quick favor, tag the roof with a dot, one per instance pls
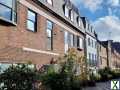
(116, 46)
(59, 13)
(69, 3)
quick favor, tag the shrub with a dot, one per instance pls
(65, 78)
(19, 77)
(56, 81)
(115, 74)
(76, 83)
(107, 74)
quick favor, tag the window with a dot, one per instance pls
(79, 22)
(66, 11)
(92, 42)
(90, 58)
(101, 60)
(8, 10)
(32, 21)
(89, 41)
(91, 29)
(49, 35)
(95, 59)
(50, 2)
(100, 48)
(71, 40)
(66, 41)
(80, 43)
(72, 15)
(75, 41)
(95, 44)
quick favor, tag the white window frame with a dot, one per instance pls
(81, 43)
(34, 22)
(12, 11)
(79, 22)
(71, 40)
(66, 11)
(49, 37)
(66, 41)
(72, 15)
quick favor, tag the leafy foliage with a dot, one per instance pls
(19, 77)
(107, 74)
(64, 79)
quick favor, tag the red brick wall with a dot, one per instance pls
(18, 36)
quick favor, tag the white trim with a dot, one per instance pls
(42, 13)
(39, 51)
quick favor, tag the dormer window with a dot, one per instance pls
(91, 29)
(79, 22)
(8, 10)
(66, 11)
(50, 2)
(72, 15)
(88, 27)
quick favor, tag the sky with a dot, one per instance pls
(104, 15)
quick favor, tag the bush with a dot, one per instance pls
(108, 74)
(76, 83)
(105, 74)
(19, 77)
(64, 79)
(56, 81)
(115, 74)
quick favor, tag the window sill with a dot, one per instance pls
(31, 30)
(79, 49)
(7, 22)
(49, 50)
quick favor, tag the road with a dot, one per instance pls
(101, 86)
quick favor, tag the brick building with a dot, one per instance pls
(115, 55)
(39, 31)
(102, 50)
(109, 55)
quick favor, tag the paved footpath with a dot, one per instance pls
(101, 86)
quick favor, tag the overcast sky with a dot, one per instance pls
(104, 15)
